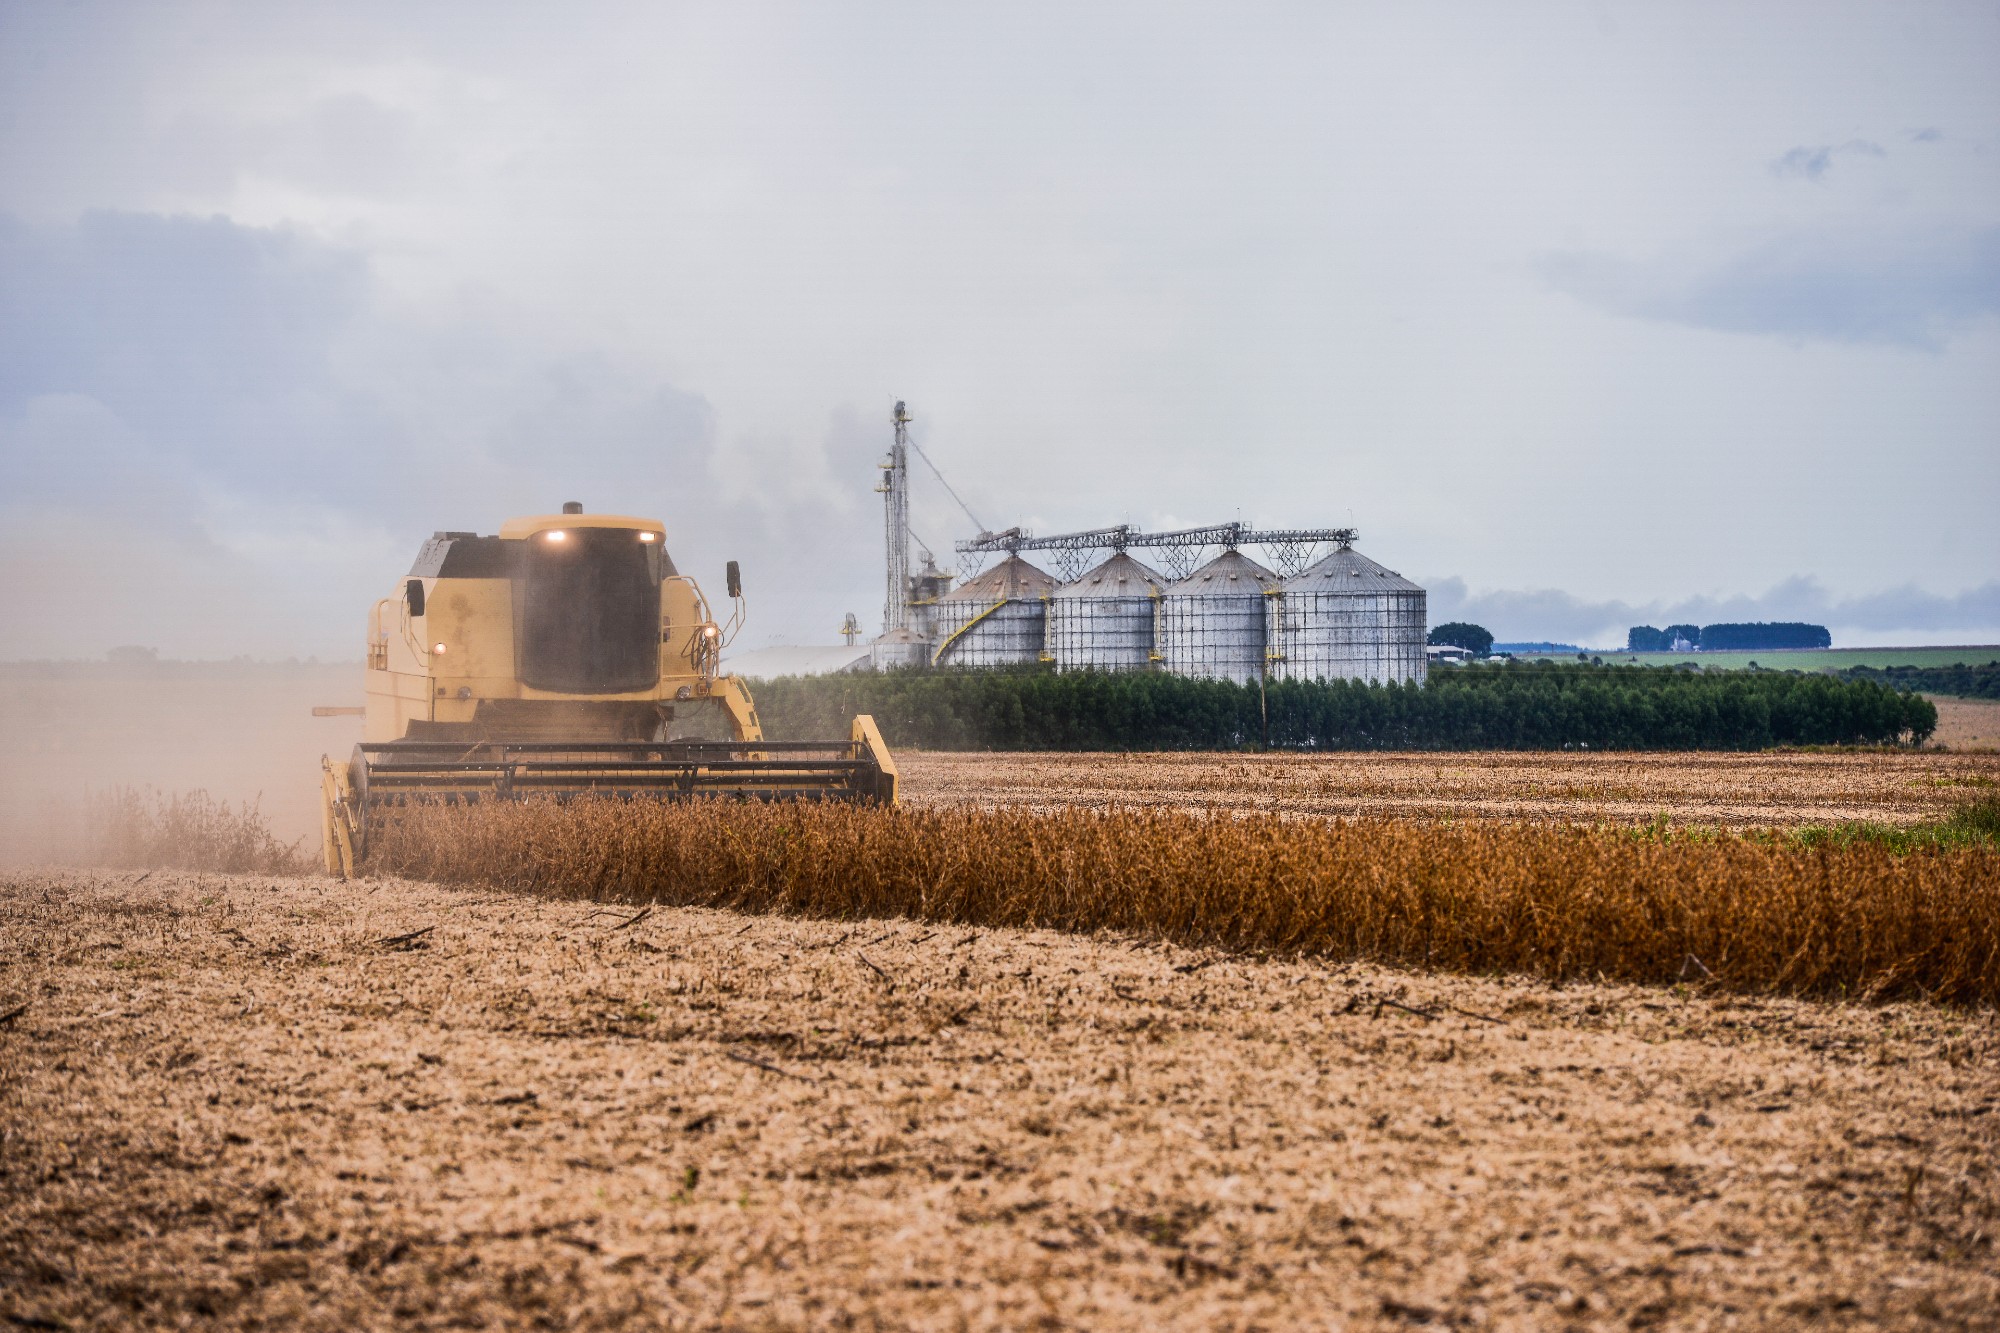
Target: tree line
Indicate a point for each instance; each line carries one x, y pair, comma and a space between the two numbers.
1762, 636
1516, 707
1475, 639
1966, 682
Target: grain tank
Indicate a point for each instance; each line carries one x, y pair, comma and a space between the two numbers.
999, 618
1212, 623
1348, 618
1104, 620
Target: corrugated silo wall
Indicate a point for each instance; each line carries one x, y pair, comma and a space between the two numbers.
1101, 633
1376, 636
1218, 637
897, 655
980, 634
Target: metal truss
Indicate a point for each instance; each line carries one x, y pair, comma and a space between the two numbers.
1289, 550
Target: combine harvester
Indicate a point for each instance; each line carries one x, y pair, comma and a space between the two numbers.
566, 656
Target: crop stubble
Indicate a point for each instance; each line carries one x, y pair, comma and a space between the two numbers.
242, 1101
1767, 790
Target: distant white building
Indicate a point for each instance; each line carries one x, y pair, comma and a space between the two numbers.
797, 660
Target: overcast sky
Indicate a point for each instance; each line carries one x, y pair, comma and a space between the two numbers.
1582, 313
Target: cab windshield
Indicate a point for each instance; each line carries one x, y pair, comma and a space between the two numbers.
587, 611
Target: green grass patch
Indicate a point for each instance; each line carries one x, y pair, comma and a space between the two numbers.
1974, 823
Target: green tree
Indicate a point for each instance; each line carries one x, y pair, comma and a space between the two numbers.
1458, 634
1517, 707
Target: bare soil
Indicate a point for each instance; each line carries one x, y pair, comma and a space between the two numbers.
1774, 789
242, 1102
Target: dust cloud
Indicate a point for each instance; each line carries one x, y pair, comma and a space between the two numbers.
241, 731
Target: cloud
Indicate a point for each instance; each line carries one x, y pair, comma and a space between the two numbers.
1909, 290
214, 335
369, 270
214, 439
1909, 607
1814, 163
1909, 612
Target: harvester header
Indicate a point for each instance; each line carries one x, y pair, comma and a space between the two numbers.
566, 656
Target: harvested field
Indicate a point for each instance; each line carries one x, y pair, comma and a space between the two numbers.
1967, 724
1779, 789
250, 1102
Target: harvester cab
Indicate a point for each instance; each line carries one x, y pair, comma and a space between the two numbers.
565, 656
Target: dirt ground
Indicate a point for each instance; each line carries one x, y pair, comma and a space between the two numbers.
1775, 789
239, 1103
1967, 724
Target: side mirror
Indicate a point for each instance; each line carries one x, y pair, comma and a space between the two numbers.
413, 593
734, 577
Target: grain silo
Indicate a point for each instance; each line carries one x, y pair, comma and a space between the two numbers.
1212, 623
1104, 620
898, 648
999, 618
1348, 618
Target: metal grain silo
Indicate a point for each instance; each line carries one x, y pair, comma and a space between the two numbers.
1104, 620
1348, 618
1212, 623
896, 649
999, 618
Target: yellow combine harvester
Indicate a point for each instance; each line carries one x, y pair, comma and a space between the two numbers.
565, 656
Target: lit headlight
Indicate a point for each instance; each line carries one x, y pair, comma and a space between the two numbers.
648, 536
558, 536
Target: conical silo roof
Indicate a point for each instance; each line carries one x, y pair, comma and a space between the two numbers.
1348, 571
1231, 573
1120, 576
1013, 579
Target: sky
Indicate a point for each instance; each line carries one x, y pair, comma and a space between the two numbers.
1583, 314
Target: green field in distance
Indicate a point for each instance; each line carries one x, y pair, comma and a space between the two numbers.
1799, 659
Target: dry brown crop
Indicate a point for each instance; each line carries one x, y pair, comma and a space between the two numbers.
240, 731
1560, 902
185, 830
